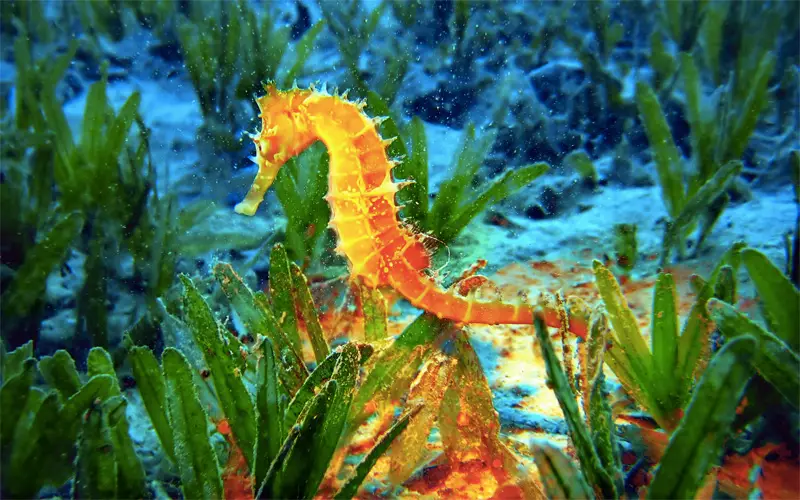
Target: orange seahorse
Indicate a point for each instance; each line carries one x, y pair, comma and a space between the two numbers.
381, 250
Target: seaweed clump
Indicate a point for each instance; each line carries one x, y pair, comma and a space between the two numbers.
280, 414
697, 191
75, 430
706, 403
56, 188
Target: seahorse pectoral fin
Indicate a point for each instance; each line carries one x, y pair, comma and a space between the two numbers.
264, 179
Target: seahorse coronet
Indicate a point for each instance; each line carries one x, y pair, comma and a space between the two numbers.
381, 249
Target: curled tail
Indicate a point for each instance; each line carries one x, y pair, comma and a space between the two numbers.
422, 292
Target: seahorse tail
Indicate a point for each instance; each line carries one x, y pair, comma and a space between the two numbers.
425, 294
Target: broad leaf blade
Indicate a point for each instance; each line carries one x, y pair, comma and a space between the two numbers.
233, 397
773, 360
665, 152
374, 306
280, 287
150, 381
13, 396
781, 299
196, 461
665, 335
96, 466
303, 298
269, 420
697, 442
60, 373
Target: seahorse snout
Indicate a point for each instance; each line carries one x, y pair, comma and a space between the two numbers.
264, 179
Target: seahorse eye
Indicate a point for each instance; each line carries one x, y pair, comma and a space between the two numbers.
263, 147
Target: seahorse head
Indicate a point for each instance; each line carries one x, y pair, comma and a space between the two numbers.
284, 133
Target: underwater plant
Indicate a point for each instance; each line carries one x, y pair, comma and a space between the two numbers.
210, 47
768, 410
682, 24
593, 436
17, 18
696, 444
583, 165
406, 12
95, 192
695, 191
777, 360
264, 53
352, 29
661, 378
670, 383
75, 429
229, 51
696, 436
103, 17
279, 414
607, 34
625, 246
770, 414
88, 176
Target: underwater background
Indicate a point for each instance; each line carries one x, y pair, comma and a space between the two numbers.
626, 174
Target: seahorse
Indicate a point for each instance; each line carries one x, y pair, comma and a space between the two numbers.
381, 250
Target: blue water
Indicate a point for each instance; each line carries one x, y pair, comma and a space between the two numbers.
102, 213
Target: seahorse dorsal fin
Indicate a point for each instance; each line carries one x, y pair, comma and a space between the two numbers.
270, 88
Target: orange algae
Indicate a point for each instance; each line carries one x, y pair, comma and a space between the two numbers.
775, 473
236, 479
380, 249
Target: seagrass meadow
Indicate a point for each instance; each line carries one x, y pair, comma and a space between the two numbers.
489, 249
